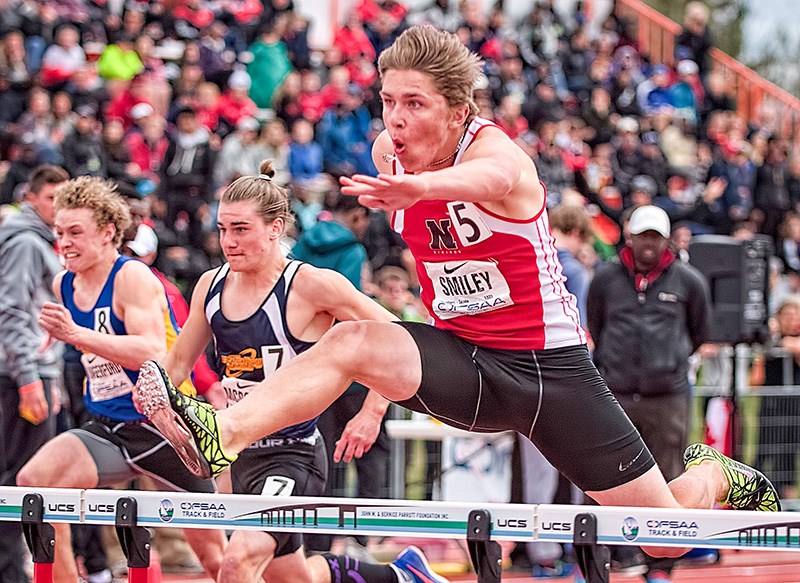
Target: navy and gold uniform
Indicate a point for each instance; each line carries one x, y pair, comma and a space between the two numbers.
120, 440
293, 461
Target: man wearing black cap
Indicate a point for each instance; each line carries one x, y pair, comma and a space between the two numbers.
82, 150
647, 314
187, 173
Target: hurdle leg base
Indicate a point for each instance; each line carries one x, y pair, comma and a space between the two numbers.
486, 554
593, 559
134, 540
40, 537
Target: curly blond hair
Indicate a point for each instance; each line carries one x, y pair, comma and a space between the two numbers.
99, 196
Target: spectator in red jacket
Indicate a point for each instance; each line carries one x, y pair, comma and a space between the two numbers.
191, 16
336, 88
63, 58
121, 105
207, 105
351, 39
148, 147
235, 104
245, 12
362, 71
312, 103
371, 11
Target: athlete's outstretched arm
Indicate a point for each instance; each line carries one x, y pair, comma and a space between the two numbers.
490, 170
333, 293
140, 301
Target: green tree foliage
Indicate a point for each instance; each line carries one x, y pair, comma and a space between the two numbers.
727, 17
777, 58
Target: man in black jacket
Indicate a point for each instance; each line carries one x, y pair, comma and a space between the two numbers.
82, 149
187, 174
647, 314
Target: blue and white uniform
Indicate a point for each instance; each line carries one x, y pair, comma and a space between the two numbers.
119, 438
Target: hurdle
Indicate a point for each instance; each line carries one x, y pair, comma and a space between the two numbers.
481, 525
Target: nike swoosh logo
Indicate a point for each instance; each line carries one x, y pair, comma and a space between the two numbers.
193, 416
454, 269
623, 467
91, 359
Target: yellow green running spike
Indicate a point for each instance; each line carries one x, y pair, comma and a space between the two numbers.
749, 488
189, 425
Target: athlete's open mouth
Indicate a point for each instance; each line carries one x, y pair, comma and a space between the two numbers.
399, 146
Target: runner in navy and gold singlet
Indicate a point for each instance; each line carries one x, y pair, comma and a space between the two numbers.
262, 311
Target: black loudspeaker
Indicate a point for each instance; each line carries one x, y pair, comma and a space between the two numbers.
738, 277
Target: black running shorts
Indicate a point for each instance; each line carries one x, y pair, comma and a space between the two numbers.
554, 397
295, 470
122, 451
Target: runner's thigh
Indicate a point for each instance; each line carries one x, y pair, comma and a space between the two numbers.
581, 429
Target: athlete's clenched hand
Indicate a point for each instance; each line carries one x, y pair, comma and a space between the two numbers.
385, 191
57, 321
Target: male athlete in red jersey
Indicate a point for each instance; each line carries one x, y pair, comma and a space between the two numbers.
506, 351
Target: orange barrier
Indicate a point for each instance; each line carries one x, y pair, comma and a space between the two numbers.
756, 98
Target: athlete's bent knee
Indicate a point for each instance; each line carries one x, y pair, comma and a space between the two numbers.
30, 476
347, 343
209, 551
244, 556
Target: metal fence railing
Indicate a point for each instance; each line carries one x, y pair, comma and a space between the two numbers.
754, 95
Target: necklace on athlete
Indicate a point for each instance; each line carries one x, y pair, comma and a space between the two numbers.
391, 157
455, 152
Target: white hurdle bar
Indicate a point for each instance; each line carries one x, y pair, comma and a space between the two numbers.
665, 527
422, 519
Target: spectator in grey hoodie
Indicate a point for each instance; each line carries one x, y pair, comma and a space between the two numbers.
29, 368
241, 153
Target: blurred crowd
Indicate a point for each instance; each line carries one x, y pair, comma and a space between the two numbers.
174, 99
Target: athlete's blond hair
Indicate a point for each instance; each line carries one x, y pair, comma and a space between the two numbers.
99, 196
440, 54
271, 200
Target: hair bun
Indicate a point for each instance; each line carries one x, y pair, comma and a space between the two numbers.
266, 169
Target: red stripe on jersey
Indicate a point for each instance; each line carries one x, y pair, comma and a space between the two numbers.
520, 221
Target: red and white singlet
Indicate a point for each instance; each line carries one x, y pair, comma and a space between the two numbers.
493, 281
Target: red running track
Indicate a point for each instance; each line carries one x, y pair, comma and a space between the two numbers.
735, 567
